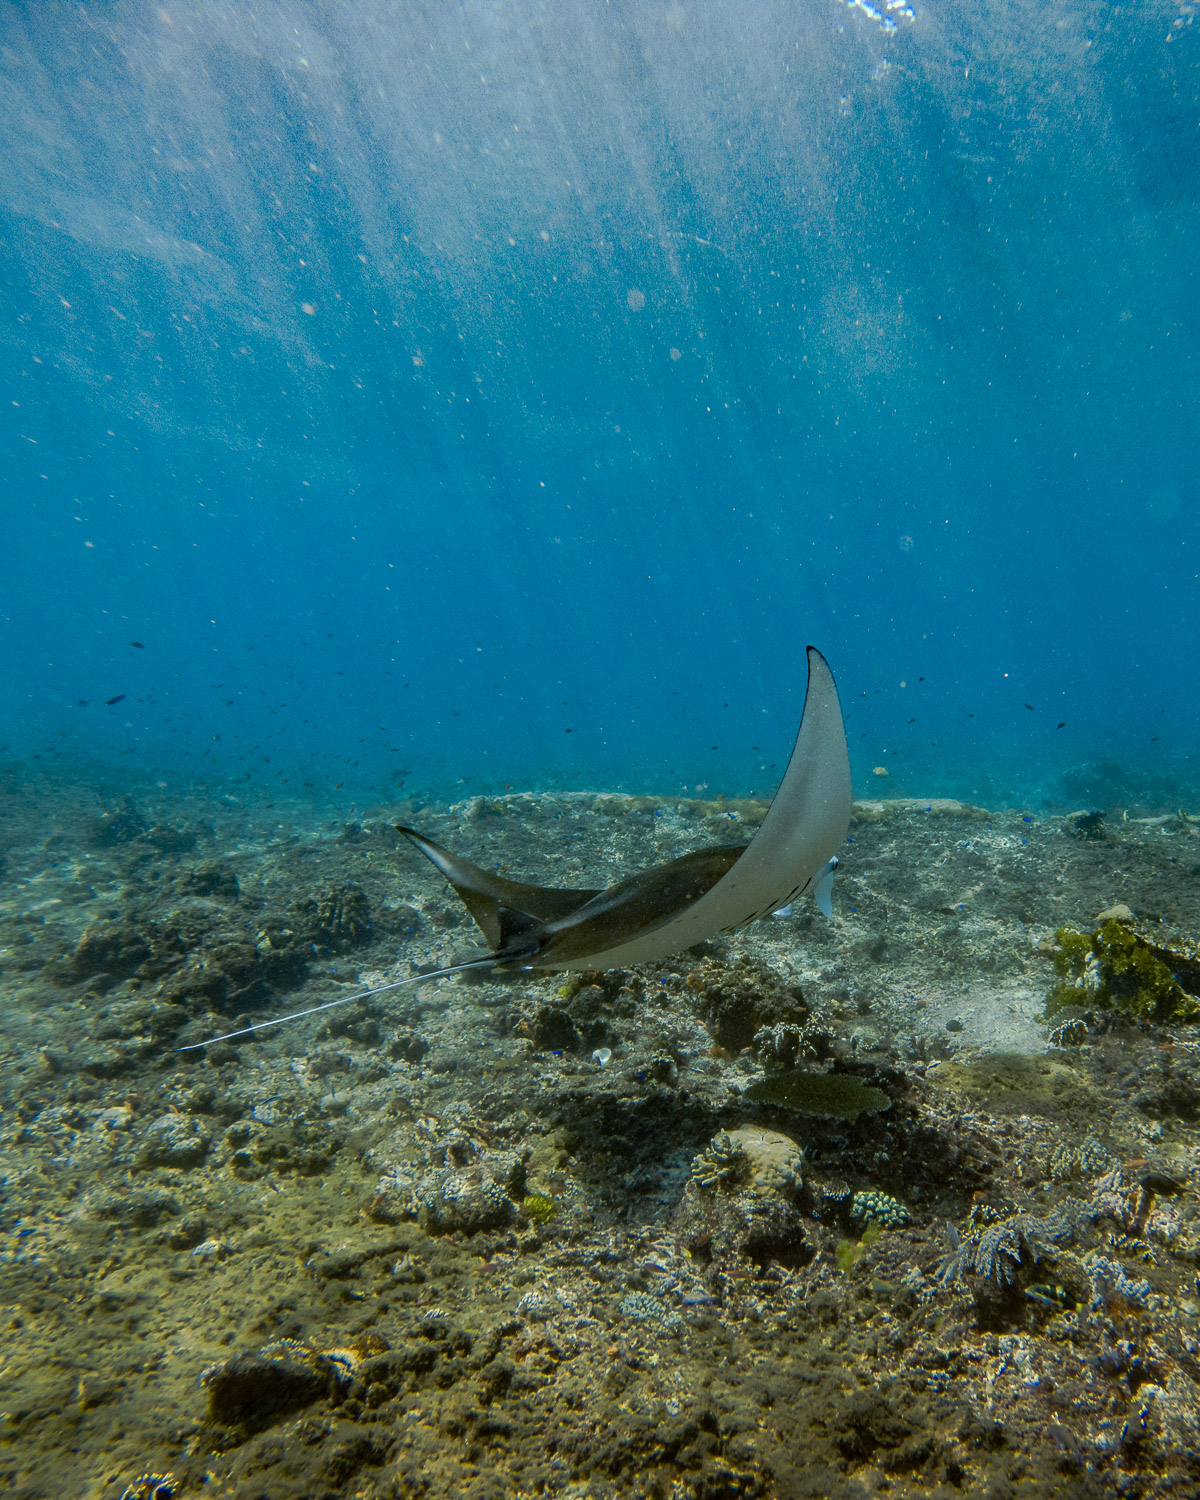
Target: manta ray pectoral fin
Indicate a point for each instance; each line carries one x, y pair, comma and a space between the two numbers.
496, 903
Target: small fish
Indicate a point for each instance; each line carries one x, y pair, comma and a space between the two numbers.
1063, 725
138, 644
108, 702
1030, 707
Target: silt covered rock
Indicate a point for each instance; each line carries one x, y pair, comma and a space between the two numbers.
472, 1198
251, 1390
744, 1197
174, 1141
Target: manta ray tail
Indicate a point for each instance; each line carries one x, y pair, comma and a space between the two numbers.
380, 989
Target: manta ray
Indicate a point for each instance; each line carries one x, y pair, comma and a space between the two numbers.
673, 906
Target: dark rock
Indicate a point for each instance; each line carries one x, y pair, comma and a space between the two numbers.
1087, 826
187, 1233
250, 1391
305, 1149
867, 1421
233, 971
588, 1004
407, 1046
97, 1390
473, 1198
169, 839
336, 920
174, 1141
839, 1096
400, 921
117, 949
140, 1209
137, 1019
353, 1449
552, 1030
357, 1023
211, 879
738, 999
104, 1062
111, 829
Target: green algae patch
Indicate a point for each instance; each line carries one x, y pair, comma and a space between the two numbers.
1017, 1083
539, 1208
850, 1252
1119, 967
837, 1095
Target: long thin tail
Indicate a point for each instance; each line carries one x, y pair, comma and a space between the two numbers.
477, 963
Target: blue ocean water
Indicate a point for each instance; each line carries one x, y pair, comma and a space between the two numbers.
504, 394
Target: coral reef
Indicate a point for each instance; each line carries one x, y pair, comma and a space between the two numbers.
723, 1162
336, 920
1069, 1160
736, 1001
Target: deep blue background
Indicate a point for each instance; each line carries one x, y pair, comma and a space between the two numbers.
419, 383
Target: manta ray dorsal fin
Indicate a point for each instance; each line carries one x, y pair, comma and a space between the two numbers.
484, 894
806, 822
